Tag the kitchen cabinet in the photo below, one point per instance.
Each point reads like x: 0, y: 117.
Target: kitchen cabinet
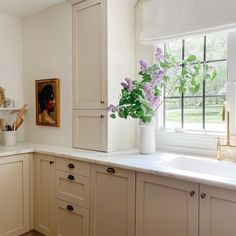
x: 103, y: 55
x: 166, y: 207
x: 112, y: 202
x: 44, y: 193
x: 217, y: 211
x: 14, y: 195
x: 72, y: 197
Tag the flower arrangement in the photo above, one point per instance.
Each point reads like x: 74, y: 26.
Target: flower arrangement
x: 140, y: 99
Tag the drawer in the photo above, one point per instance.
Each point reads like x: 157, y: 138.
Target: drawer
x: 73, y: 166
x: 71, y: 220
x: 72, y: 188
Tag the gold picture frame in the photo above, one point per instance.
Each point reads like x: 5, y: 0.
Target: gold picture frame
x: 48, y: 102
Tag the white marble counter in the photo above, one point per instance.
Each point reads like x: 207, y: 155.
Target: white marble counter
x: 179, y: 166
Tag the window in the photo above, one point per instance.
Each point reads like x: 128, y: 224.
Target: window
x: 202, y: 111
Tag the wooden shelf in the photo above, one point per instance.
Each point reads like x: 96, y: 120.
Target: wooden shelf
x: 10, y: 109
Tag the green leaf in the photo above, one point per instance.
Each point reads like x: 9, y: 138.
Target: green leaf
x: 147, y: 78
x: 214, y: 74
x: 113, y: 116
x: 122, y: 101
x: 191, y: 58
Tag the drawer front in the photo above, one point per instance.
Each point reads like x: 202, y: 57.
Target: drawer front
x: 71, y: 220
x: 73, y: 166
x: 72, y: 188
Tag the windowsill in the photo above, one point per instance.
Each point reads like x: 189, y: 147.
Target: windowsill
x: 192, y: 142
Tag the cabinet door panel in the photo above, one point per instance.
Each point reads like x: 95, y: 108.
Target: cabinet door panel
x: 44, y: 194
x: 73, y: 222
x: 14, y: 195
x: 90, y: 129
x: 113, y: 202
x: 74, y: 190
x: 165, y: 207
x: 89, y: 41
x: 217, y: 212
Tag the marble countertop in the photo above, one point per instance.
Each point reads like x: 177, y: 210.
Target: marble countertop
x: 179, y: 166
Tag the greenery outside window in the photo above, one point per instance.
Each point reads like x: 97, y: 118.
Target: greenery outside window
x: 202, y: 111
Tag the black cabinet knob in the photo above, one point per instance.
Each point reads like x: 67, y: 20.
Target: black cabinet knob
x: 71, y: 166
x: 51, y: 162
x: 71, y: 177
x: 192, y: 193
x: 111, y: 170
x: 70, y: 208
x: 203, y: 195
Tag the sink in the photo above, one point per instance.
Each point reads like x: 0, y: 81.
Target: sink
x: 208, y: 167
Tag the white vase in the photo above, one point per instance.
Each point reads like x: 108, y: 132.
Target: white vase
x: 147, y: 143
x: 8, y: 138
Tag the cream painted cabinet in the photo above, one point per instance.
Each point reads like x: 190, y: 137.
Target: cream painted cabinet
x: 112, y: 202
x: 166, y: 207
x: 14, y: 195
x: 90, y: 129
x: 102, y: 57
x: 44, y: 194
x: 217, y: 211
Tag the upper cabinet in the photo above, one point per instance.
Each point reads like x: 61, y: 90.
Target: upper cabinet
x: 103, y: 56
x: 89, y: 55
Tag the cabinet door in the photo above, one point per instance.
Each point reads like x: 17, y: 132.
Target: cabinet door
x: 90, y: 129
x: 217, y: 211
x: 89, y: 55
x: 44, y: 194
x: 71, y: 220
x: 112, y: 202
x: 166, y: 207
x: 14, y: 195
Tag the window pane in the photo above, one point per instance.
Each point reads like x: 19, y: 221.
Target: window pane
x: 193, y: 113
x: 214, y: 106
x: 218, y: 85
x: 173, y: 113
x: 175, y: 49
x: 216, y: 47
x: 194, y: 46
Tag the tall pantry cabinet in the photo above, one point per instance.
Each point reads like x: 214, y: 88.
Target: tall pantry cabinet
x: 103, y: 55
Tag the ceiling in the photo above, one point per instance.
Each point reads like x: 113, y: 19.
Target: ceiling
x: 26, y: 7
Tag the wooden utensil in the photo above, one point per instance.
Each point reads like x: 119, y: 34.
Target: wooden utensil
x: 21, y: 112
x: 18, y: 123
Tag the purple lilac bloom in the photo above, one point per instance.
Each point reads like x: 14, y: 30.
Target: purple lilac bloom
x: 158, y: 76
x: 147, y: 87
x: 128, y: 84
x: 159, y: 55
x: 143, y: 65
x: 113, y: 108
x: 178, y: 67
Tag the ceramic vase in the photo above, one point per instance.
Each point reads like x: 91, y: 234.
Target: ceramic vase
x: 147, y: 142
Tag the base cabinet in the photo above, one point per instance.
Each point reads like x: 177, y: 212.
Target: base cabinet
x: 71, y: 220
x: 217, y: 211
x: 166, y: 207
x: 112, y: 202
x: 14, y: 195
x: 44, y: 194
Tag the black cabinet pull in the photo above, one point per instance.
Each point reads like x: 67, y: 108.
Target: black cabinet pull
x: 111, y: 170
x: 102, y: 116
x: 71, y: 177
x: 71, y: 166
x: 203, y: 195
x: 102, y: 102
x: 192, y: 193
x: 51, y: 162
x: 70, y: 208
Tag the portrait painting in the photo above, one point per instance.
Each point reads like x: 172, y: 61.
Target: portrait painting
x: 48, y: 102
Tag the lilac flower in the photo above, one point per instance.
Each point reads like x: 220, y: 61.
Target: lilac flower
x: 147, y: 87
x: 143, y: 65
x: 158, y: 76
x: 178, y: 67
x: 113, y: 108
x: 154, y: 101
x: 211, y: 68
x: 159, y: 55
x: 128, y: 84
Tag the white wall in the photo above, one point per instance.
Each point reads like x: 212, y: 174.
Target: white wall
x: 47, y: 42
x: 11, y: 77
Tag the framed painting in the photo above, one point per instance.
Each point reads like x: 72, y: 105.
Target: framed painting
x: 48, y: 102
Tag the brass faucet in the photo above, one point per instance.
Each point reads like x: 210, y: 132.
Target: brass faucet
x: 225, y: 116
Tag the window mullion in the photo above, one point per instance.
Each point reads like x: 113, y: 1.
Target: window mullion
x: 182, y: 96
x: 204, y: 89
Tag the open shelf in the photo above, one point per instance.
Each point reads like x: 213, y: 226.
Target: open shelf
x: 10, y: 109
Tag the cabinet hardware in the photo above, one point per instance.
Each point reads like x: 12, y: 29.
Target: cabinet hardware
x: 192, y: 193
x: 51, y: 162
x: 203, y: 195
x: 102, y: 116
x: 102, y: 102
x: 70, y: 208
x: 111, y: 170
x: 71, y: 177
x: 71, y: 166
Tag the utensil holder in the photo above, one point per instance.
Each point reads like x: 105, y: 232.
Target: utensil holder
x: 9, y: 138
